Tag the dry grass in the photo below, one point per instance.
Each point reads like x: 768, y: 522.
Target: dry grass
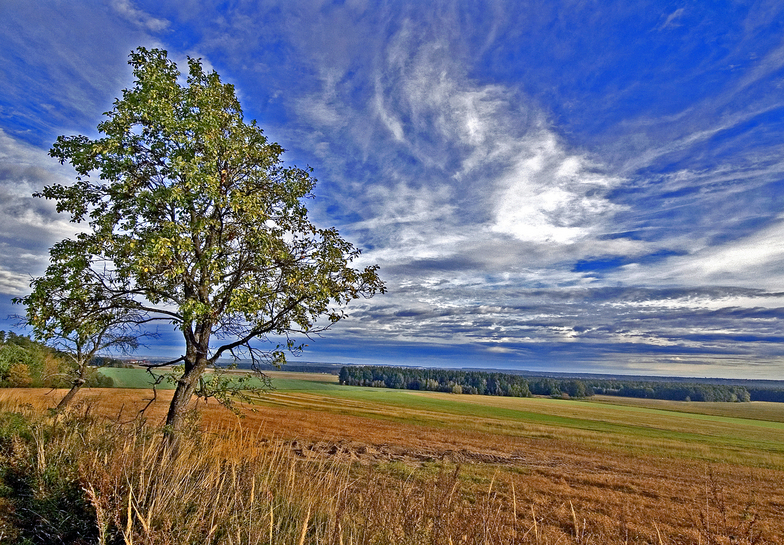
x: 312, y: 477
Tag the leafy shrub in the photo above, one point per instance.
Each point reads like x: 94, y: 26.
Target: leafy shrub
x: 18, y: 376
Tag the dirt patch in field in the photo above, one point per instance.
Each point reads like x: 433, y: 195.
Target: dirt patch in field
x: 369, y: 454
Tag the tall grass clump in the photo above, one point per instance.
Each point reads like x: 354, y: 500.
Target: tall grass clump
x: 78, y: 480
x: 75, y: 479
x: 41, y: 498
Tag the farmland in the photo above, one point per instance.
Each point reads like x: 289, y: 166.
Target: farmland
x: 604, y: 470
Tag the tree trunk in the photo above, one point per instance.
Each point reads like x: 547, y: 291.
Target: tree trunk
x: 64, y: 402
x: 182, y: 396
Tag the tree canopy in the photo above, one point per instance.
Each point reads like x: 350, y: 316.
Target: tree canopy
x: 195, y: 220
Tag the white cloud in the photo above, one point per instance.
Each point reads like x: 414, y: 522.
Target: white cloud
x: 13, y: 284
x: 132, y: 14
x: 484, y: 166
x: 754, y: 261
x: 29, y: 226
x: 390, y: 122
x: 552, y: 196
x: 324, y: 108
x: 672, y: 19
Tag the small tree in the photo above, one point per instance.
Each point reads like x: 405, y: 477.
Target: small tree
x: 196, y: 221
x: 19, y: 376
x: 70, y: 310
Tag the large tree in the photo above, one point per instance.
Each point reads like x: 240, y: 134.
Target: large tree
x: 196, y: 220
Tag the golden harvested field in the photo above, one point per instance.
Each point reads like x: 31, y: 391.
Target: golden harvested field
x: 607, y: 470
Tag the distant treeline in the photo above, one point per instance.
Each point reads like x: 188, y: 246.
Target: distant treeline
x: 775, y: 395
x: 505, y: 384
x: 673, y: 391
x: 436, y: 380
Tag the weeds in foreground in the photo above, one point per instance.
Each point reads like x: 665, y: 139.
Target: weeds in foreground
x: 716, y: 524
x: 76, y: 479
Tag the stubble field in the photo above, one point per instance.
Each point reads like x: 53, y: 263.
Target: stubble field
x: 605, y: 470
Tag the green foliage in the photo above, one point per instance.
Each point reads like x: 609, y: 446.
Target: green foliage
x: 202, y: 223
x: 12, y: 354
x: 107, y: 361
x: 15, y: 339
x: 12, y: 425
x: 96, y: 379
x: 765, y: 394
x: 19, y: 376
x: 70, y: 310
x: 24, y: 363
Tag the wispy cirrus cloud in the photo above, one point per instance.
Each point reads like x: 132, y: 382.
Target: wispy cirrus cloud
x: 754, y: 261
x: 127, y: 10
x: 486, y: 165
x: 471, y: 197
x: 62, y: 65
x: 672, y: 19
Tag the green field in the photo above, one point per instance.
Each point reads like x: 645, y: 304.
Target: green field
x: 748, y: 434
x: 140, y: 378
x: 132, y: 378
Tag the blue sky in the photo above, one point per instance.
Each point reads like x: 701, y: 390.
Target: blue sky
x: 565, y: 186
